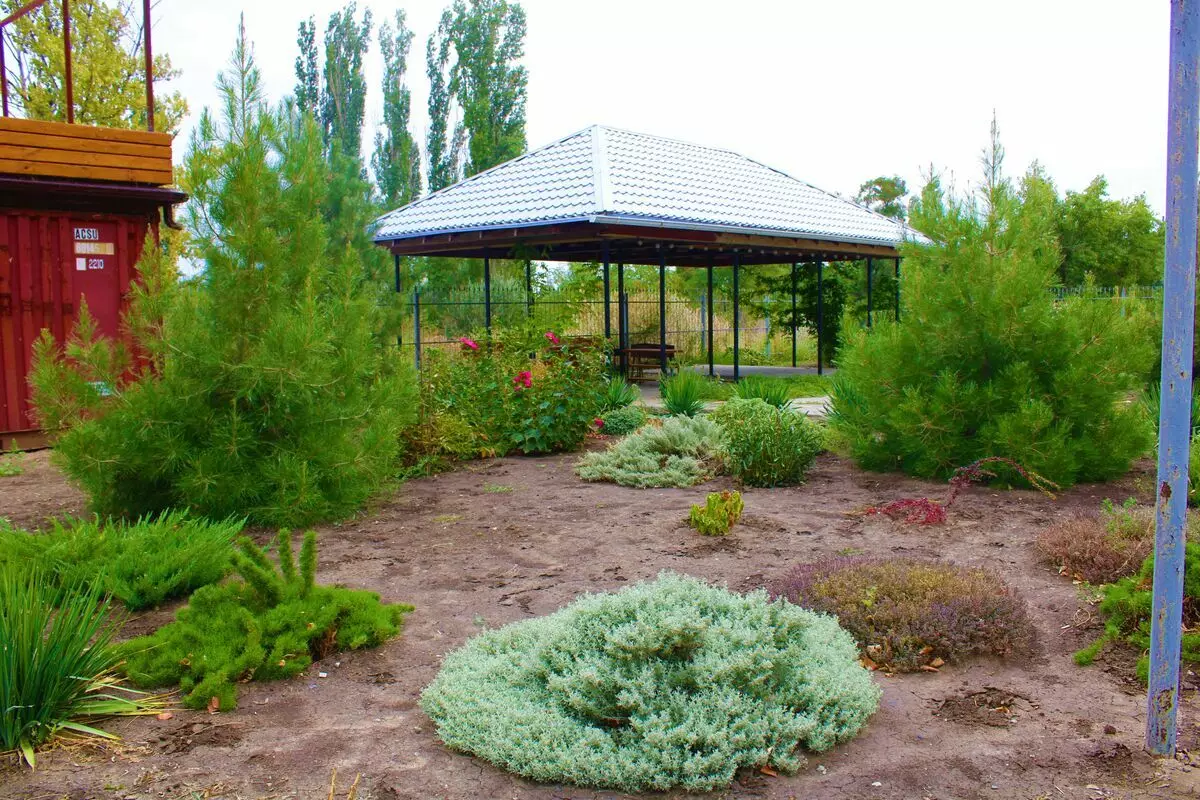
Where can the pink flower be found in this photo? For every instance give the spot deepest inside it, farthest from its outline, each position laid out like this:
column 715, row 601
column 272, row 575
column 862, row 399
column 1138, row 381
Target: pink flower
column 553, row 339
column 469, row 343
column 523, row 380
column 599, row 423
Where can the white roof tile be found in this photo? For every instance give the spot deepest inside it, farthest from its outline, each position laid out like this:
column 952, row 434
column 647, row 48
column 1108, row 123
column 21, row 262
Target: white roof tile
column 605, row 174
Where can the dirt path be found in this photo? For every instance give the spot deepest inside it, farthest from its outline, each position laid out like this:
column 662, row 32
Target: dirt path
column 503, row 540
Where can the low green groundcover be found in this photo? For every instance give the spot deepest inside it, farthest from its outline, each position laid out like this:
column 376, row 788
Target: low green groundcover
column 670, row 683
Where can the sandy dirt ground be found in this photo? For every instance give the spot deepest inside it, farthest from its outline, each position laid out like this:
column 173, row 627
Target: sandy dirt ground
column 507, row 539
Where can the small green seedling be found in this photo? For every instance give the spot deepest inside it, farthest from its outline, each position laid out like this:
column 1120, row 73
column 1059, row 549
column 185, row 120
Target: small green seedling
column 718, row 514
column 12, row 463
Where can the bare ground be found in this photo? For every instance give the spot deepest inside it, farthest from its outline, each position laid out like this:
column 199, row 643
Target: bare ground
column 503, row 540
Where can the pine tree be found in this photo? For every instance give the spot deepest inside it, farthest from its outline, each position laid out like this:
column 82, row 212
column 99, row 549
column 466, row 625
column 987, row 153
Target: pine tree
column 397, row 158
column 343, row 103
column 270, row 391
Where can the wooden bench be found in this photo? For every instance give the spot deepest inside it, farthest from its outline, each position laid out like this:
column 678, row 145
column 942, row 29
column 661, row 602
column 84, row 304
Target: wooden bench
column 640, row 358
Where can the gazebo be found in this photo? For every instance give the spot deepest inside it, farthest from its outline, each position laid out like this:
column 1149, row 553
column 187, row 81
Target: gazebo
column 610, row 196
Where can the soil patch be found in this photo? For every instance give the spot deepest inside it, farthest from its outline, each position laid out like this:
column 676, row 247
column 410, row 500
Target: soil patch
column 469, row 559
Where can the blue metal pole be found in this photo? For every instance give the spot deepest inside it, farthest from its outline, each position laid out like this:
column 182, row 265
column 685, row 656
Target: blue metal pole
column 1174, row 427
column 487, row 294
column 870, row 281
column 662, row 313
column 399, row 327
column 711, row 368
column 607, row 305
column 737, row 318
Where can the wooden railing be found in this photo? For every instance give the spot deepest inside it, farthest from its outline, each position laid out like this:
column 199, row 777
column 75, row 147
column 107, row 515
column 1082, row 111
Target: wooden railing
column 37, row 149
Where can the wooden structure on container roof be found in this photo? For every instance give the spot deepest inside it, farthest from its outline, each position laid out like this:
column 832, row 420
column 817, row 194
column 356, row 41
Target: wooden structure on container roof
column 76, row 205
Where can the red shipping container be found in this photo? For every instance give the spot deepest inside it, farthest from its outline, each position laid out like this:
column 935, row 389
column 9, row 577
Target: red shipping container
column 57, row 247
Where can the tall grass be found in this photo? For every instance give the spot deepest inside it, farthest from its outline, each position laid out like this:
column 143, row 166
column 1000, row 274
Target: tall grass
column 56, row 663
column 683, row 393
column 773, row 391
column 618, row 394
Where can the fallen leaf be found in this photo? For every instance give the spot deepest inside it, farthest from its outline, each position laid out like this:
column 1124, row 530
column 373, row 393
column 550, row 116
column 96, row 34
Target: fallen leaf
column 214, row 704
column 768, row 771
column 937, row 662
column 164, row 716
column 928, row 668
column 927, row 649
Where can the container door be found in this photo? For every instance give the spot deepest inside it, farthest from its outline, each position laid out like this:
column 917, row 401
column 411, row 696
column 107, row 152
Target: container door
column 95, row 273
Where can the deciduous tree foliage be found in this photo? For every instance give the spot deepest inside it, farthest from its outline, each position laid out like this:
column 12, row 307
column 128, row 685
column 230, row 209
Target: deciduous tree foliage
column 308, row 77
column 1117, row 242
column 397, row 157
column 343, row 103
column 984, row 362
column 269, row 390
column 107, row 63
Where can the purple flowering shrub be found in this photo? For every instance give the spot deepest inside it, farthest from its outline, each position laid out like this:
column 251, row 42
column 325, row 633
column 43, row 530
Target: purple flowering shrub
column 910, row 615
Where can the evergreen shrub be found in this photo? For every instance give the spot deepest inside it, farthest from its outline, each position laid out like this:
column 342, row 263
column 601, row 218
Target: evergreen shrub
column 985, row 362
column 720, row 512
column 141, row 563
column 57, row 662
column 670, row 683
column 909, row 614
column 1127, row 607
column 622, row 421
column 268, row 386
column 768, row 446
column 271, row 624
column 512, row 401
column 683, row 451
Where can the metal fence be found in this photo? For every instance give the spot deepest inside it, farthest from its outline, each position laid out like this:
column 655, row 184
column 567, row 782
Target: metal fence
column 440, row 319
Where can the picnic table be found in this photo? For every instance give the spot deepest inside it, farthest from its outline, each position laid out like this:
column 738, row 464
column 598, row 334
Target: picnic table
column 640, row 358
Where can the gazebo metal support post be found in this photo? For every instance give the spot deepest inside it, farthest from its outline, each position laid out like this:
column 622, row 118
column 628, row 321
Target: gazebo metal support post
column 820, row 316
column 607, row 304
column 400, row 299
column 1174, row 428
column 737, row 316
column 897, row 290
column 622, row 322
column 528, row 288
column 662, row 313
column 870, row 281
column 711, row 367
column 793, row 315
column 487, row 295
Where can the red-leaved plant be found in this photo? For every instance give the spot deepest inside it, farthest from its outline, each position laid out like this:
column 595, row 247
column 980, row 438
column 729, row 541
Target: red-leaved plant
column 923, row 511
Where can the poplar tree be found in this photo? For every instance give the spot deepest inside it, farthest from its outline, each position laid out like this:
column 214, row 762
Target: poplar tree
column 397, row 157
column 343, row 103
column 308, row 86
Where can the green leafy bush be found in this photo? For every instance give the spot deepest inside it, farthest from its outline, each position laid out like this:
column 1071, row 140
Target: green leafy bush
column 1100, row 549
column 683, row 451
column 266, row 388
column 671, row 683
column 768, row 446
column 271, row 624
column 621, row 421
column 985, row 362
column 1194, row 471
column 909, row 614
column 1127, row 607
column 720, row 512
column 683, row 392
column 141, row 563
column 619, row 393
column 772, row 391
column 57, row 662
column 511, row 401
column 12, row 463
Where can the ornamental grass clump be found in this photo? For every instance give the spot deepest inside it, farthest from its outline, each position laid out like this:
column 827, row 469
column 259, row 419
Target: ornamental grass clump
column 57, row 662
column 683, row 393
column 772, row 391
column 720, row 512
column 669, row 683
column 1127, row 606
column 619, row 393
column 985, row 361
column 909, row 615
column 142, row 563
column 271, row 624
column 768, row 446
column 683, row 451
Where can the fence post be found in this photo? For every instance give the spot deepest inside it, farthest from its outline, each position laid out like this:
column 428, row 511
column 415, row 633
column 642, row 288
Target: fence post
column 1174, row 427
column 737, row 316
column 820, row 316
column 870, row 281
column 793, row 315
column 400, row 325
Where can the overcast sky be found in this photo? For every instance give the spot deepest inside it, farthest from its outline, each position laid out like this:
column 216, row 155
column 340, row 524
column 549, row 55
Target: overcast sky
column 831, row 91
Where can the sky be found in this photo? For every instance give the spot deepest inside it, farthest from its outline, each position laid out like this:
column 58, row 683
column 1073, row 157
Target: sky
column 834, row 92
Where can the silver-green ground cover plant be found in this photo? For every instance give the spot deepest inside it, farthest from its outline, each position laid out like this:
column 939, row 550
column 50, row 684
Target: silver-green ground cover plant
column 669, row 683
